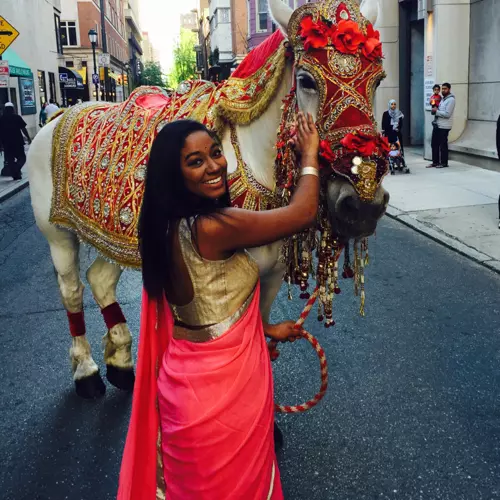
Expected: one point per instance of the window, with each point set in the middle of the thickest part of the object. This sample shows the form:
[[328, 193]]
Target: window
[[52, 86], [223, 16], [261, 15], [69, 64], [57, 24], [68, 33], [249, 27], [42, 86]]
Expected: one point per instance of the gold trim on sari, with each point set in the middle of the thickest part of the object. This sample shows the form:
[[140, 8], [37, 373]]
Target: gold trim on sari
[[211, 332]]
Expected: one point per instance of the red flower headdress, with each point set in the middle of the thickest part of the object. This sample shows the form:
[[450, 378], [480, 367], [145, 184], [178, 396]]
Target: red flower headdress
[[346, 36]]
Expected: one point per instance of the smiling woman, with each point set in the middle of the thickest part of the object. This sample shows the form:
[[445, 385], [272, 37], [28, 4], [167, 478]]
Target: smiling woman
[[203, 364], [204, 166]]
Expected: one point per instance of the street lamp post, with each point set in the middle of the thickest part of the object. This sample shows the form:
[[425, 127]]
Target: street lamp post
[[93, 42], [107, 89], [127, 67]]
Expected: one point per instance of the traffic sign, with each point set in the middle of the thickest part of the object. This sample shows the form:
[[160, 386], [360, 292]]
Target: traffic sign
[[4, 82], [104, 60], [95, 78], [7, 34]]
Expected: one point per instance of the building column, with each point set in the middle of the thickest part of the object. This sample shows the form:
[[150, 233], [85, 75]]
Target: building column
[[388, 25], [447, 30]]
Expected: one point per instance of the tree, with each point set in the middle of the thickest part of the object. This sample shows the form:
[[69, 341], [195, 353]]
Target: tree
[[152, 75], [184, 59]]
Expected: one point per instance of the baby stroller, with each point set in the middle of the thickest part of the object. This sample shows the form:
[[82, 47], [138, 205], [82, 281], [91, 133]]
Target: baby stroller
[[397, 159]]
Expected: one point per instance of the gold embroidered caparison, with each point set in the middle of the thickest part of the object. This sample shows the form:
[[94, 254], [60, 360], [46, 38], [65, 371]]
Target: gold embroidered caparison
[[244, 190]]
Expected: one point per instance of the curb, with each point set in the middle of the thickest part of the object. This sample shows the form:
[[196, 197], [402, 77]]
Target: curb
[[444, 239], [11, 192]]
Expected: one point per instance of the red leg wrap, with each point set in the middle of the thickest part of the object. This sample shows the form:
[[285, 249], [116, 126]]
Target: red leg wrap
[[76, 323], [113, 315]]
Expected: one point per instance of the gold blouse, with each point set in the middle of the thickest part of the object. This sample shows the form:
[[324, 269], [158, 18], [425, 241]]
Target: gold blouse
[[220, 286]]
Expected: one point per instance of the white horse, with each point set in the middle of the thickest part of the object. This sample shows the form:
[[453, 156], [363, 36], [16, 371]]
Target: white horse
[[358, 218]]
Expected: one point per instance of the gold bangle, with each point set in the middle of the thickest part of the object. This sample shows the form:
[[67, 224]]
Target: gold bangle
[[309, 171]]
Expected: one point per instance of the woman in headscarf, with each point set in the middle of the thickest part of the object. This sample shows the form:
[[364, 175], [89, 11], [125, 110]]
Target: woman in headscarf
[[392, 124]]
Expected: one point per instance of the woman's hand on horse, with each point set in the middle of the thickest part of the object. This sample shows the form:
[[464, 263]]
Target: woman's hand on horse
[[307, 139], [283, 332]]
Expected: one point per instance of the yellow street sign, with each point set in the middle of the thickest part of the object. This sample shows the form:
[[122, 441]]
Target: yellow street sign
[[7, 34]]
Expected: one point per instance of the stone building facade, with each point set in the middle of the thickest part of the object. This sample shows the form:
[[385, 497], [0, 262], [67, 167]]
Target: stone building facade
[[436, 41], [33, 57]]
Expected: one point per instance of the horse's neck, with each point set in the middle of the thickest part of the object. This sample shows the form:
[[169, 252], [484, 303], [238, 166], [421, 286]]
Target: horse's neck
[[257, 140]]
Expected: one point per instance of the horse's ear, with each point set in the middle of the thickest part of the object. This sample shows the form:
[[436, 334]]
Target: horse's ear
[[369, 9], [280, 13]]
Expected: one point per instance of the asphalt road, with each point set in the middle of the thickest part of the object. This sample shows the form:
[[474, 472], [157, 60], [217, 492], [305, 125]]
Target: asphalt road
[[412, 412]]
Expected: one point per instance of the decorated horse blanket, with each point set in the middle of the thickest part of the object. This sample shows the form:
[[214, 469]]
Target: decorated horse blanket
[[100, 150]]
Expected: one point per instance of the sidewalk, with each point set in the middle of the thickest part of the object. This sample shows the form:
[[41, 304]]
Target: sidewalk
[[456, 206], [9, 187]]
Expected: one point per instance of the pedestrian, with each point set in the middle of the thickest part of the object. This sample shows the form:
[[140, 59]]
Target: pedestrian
[[204, 391], [51, 108], [12, 129], [435, 99], [392, 124], [42, 119], [441, 127]]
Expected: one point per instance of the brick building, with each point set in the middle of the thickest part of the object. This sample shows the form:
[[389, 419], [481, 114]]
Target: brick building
[[78, 17], [239, 30], [260, 24]]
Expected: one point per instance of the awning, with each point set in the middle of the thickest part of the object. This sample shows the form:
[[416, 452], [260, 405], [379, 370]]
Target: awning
[[70, 79], [83, 73], [17, 66]]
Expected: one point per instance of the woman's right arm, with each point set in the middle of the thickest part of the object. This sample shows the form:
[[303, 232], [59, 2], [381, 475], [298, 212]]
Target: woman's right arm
[[237, 228]]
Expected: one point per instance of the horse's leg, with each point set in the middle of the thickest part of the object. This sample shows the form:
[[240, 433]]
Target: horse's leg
[[64, 248], [103, 277], [270, 284]]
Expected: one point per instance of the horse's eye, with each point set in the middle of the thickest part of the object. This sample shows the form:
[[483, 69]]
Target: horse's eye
[[307, 83]]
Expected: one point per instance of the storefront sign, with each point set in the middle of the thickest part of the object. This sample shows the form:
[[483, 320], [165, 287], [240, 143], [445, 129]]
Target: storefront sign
[[428, 84], [4, 68], [7, 34], [27, 96]]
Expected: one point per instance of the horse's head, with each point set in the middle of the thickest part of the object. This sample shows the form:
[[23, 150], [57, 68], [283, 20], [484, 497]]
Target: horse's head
[[338, 66]]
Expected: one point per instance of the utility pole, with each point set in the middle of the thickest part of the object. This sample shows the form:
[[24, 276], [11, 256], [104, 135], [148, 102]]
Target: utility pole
[[105, 50]]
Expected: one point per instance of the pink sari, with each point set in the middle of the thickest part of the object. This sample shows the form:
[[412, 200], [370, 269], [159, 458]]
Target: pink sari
[[215, 402]]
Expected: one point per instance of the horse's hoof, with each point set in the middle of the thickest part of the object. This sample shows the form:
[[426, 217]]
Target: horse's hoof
[[278, 438], [90, 387], [121, 378]]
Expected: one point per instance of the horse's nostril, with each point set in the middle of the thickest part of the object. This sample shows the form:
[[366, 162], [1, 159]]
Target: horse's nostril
[[349, 206], [386, 199]]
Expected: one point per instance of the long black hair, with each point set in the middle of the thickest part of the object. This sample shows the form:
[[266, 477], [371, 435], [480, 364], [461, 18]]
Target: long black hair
[[166, 201]]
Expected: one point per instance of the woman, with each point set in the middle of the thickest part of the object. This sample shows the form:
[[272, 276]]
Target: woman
[[204, 382], [392, 124]]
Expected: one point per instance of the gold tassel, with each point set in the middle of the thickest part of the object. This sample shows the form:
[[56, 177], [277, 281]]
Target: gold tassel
[[362, 286]]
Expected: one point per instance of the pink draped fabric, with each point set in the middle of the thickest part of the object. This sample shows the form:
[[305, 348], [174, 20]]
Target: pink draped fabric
[[138, 474], [216, 415], [215, 402]]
